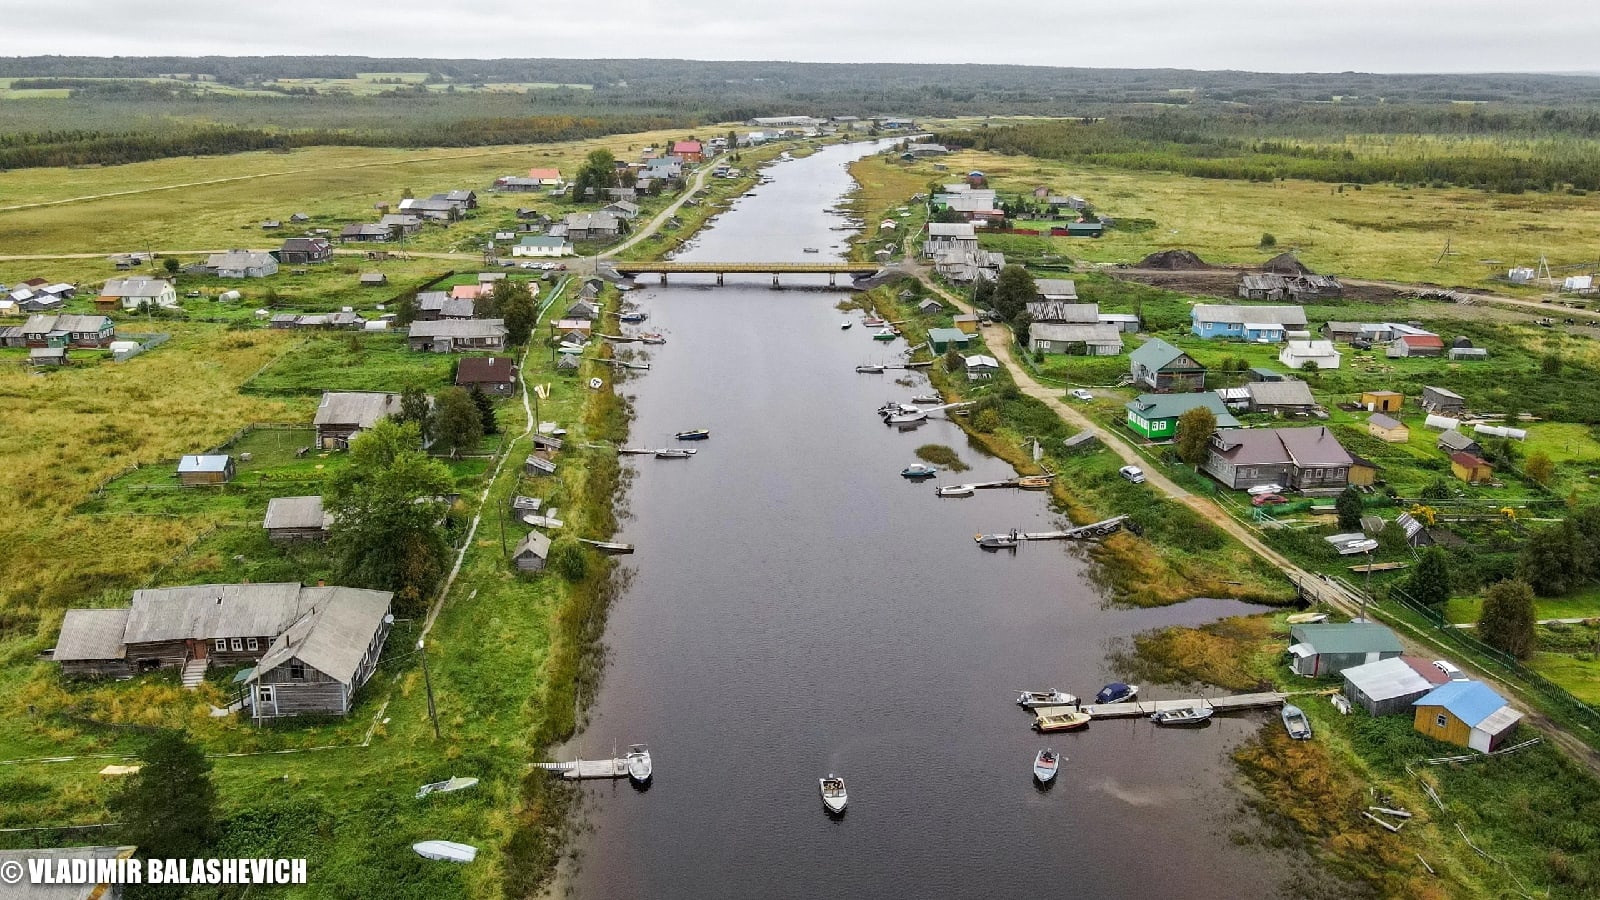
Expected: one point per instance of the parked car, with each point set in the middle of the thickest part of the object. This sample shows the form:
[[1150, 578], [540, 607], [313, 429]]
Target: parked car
[[1132, 473], [1450, 670], [1268, 499], [1080, 394], [530, 265]]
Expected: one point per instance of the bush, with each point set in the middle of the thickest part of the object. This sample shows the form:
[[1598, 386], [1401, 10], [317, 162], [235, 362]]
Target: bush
[[568, 559], [986, 421], [1268, 240]]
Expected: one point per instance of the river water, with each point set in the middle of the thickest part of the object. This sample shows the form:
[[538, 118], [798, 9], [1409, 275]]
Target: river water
[[796, 608]]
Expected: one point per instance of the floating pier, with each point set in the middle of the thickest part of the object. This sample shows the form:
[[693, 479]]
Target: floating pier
[[1143, 708], [1082, 532], [580, 769]]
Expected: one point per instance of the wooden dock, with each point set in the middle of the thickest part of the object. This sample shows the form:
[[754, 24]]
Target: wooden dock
[[580, 769], [1142, 708]]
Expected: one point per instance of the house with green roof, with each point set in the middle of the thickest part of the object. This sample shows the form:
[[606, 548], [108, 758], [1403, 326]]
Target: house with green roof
[[1156, 415], [1158, 366], [942, 339], [1328, 649]]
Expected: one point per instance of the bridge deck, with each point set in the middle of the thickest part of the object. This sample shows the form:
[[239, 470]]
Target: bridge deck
[[759, 268]]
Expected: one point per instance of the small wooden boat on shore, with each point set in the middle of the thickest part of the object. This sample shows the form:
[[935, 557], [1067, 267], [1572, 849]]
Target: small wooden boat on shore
[[834, 796], [673, 453], [927, 398], [869, 370], [1063, 720], [1190, 717], [445, 851], [640, 768], [1045, 765], [614, 547], [1036, 699], [694, 434], [956, 490], [1306, 618], [652, 338], [1035, 482], [1296, 723], [918, 470], [998, 541], [1117, 692]]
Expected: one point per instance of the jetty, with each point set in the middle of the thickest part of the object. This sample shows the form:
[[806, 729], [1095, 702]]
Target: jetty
[[580, 769], [1143, 708], [608, 546], [617, 363], [1082, 532]]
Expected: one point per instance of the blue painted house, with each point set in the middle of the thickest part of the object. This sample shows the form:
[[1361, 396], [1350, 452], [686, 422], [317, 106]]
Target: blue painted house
[[1258, 324]]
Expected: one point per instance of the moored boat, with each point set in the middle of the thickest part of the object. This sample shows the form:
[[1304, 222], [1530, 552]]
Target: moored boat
[[918, 470], [1296, 723], [1036, 699], [870, 370], [1188, 717], [1034, 482], [694, 434], [673, 453], [872, 321], [1117, 692], [845, 325], [883, 334], [956, 490], [1063, 720], [905, 415], [809, 250], [834, 796], [1045, 765], [998, 541], [640, 767], [652, 338], [927, 398], [632, 317]]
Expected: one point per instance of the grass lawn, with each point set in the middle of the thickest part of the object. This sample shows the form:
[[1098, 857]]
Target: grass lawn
[[351, 362]]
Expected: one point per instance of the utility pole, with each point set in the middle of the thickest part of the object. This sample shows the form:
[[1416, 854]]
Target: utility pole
[[433, 712]]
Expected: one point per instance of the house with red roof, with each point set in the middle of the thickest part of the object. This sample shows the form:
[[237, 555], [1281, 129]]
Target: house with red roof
[[546, 177], [690, 151], [1416, 345]]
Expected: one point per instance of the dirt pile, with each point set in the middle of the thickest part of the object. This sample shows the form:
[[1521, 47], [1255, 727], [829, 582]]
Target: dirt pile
[[1174, 260], [1286, 264]]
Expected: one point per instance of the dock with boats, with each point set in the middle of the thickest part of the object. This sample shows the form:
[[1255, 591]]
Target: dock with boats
[[1143, 708], [582, 769], [1098, 529]]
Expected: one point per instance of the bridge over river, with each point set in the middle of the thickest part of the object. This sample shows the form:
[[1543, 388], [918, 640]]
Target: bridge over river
[[719, 269]]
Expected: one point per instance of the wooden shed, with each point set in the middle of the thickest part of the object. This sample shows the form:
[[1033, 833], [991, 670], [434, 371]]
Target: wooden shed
[[1382, 401], [1390, 686], [212, 469], [531, 552], [1466, 713], [296, 519], [1388, 429], [1469, 468]]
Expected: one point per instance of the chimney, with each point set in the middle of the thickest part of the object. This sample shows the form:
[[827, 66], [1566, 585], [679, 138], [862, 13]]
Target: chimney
[[321, 583]]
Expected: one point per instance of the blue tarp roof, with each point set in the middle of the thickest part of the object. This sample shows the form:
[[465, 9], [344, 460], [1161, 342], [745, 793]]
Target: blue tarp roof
[[1469, 701]]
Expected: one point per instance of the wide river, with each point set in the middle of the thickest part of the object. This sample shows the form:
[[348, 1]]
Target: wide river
[[796, 608]]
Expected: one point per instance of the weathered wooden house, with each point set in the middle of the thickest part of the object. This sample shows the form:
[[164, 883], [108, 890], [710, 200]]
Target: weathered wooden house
[[531, 552], [242, 264], [319, 662], [1453, 441], [494, 375], [1439, 400], [1063, 312], [341, 415], [1160, 367], [455, 335], [1289, 397], [296, 519], [47, 357], [1078, 340], [299, 251], [211, 469], [1310, 460]]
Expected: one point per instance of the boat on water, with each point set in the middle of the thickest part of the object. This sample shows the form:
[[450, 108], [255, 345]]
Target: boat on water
[[1045, 765], [872, 322], [632, 317], [1296, 723], [1117, 692], [1188, 717], [906, 415], [1008, 541], [845, 325], [694, 434], [652, 338], [956, 490], [446, 851], [1034, 482], [809, 250], [918, 470], [892, 407], [640, 768], [870, 370], [614, 547], [927, 398], [883, 334], [1036, 699], [1307, 618], [834, 796], [673, 453], [1064, 720]]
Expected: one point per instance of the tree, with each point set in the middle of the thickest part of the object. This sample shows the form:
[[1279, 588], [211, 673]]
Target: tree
[[1349, 508], [1268, 240], [1013, 289], [599, 171], [953, 360], [169, 807], [1195, 428], [1553, 560], [485, 409], [568, 559], [387, 506], [518, 308], [405, 310], [1437, 489], [457, 423], [1429, 583], [415, 408], [171, 264], [1507, 618], [986, 421], [1539, 467], [1021, 323]]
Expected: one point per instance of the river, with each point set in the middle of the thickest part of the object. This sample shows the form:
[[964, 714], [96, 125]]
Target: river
[[796, 608]]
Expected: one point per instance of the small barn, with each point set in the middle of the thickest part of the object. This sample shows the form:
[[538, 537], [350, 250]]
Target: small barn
[[531, 552], [90, 645], [1452, 441], [213, 469], [981, 367], [942, 339], [1382, 401], [1466, 713], [1328, 649], [1439, 400], [930, 307], [1469, 468], [966, 322], [1389, 686], [1387, 429], [47, 356], [296, 519]]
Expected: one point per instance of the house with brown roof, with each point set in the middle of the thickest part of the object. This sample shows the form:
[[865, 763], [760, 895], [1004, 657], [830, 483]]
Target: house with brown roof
[[494, 375], [298, 251], [1469, 468], [1310, 460]]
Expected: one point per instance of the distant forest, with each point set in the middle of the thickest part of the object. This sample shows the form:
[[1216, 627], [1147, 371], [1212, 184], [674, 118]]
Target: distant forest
[[112, 115]]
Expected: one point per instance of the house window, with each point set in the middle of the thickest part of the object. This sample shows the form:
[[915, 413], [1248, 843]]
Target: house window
[[264, 693], [222, 644], [1044, 345], [252, 644], [1439, 721], [237, 644], [297, 669]]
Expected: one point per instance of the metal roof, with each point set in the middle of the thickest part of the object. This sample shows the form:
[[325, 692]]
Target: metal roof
[[362, 409], [1170, 406], [1470, 701], [1347, 637], [1387, 679], [204, 463], [1234, 314], [485, 370], [1385, 422], [1096, 333], [210, 611], [459, 328], [1061, 311], [1156, 354], [536, 543], [1280, 393]]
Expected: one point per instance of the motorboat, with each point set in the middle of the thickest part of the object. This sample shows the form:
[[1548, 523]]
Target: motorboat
[[872, 322], [652, 338], [834, 796], [956, 490], [918, 470], [673, 453], [1036, 699], [1117, 692], [632, 317], [809, 250], [870, 370], [1045, 765], [892, 408], [1063, 720], [1306, 618], [845, 325], [1188, 717], [883, 334], [1007, 541], [639, 766], [927, 398], [694, 434], [1034, 482], [1296, 723], [446, 851], [905, 416]]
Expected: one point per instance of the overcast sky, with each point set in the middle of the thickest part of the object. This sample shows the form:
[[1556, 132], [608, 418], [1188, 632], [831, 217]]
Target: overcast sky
[[1282, 36]]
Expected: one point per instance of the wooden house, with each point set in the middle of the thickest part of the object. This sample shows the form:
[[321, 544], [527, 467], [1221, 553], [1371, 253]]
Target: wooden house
[[242, 264], [1382, 401], [531, 552], [1439, 400], [1453, 441], [1466, 713], [1156, 415], [341, 415], [494, 375], [1078, 340], [47, 356], [1256, 324], [1469, 468], [456, 335], [1063, 312], [213, 469], [1310, 460], [1363, 471], [296, 519], [1388, 430], [1289, 397], [316, 665], [1160, 367], [299, 251]]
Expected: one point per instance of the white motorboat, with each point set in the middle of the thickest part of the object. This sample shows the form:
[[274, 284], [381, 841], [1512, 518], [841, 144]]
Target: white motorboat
[[1037, 699], [673, 453], [870, 369], [446, 851], [905, 415], [639, 766], [956, 490], [845, 325], [1263, 489], [1045, 765], [1188, 717], [834, 796], [998, 541], [927, 398]]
